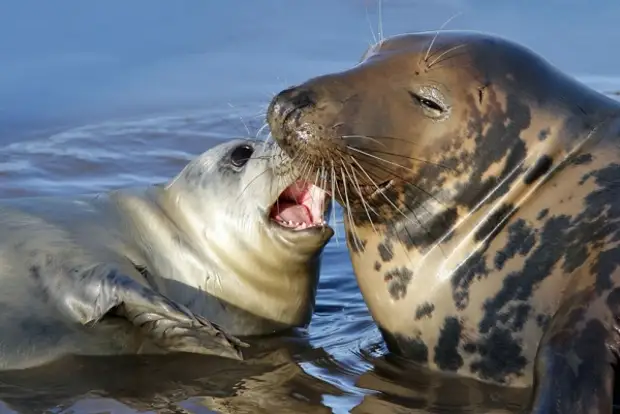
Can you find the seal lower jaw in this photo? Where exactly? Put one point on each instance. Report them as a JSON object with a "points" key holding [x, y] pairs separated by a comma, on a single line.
{"points": [[300, 208]]}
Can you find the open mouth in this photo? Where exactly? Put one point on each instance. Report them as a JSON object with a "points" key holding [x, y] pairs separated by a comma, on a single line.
{"points": [[301, 206]]}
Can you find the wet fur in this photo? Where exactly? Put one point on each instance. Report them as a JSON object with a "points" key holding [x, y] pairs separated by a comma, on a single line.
{"points": [[493, 252], [75, 272]]}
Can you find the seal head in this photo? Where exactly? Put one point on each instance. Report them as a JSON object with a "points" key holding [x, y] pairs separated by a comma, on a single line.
{"points": [[257, 232]]}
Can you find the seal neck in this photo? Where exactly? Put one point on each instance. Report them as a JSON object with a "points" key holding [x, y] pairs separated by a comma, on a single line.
{"points": [[228, 265]]}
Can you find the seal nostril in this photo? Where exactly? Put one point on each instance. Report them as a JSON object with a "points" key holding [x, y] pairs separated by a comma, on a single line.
{"points": [[290, 100], [302, 99]]}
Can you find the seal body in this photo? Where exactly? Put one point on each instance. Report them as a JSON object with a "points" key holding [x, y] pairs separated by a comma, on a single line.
{"points": [[481, 206], [181, 266]]}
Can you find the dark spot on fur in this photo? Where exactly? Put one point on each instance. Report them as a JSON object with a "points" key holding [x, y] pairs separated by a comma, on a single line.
{"points": [[574, 362], [447, 355], [413, 349], [542, 320], [582, 159], [543, 134], [356, 245], [386, 251], [542, 214], [518, 286], [423, 235], [521, 239], [540, 168], [613, 301], [494, 223], [470, 347], [424, 310], [474, 267], [500, 355], [377, 266], [398, 279], [605, 267], [41, 292]]}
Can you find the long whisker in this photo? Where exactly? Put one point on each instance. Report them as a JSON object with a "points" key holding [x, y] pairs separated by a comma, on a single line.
{"points": [[372, 32], [393, 163], [253, 179], [363, 170], [430, 65], [242, 121], [381, 137], [445, 167], [361, 196], [437, 34], [362, 137], [356, 237], [380, 25], [333, 202], [396, 208]]}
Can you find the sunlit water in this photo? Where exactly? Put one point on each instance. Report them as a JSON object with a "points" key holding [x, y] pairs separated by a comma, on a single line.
{"points": [[112, 95]]}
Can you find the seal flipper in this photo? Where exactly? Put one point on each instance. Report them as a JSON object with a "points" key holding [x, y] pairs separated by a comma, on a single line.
{"points": [[574, 370], [104, 290]]}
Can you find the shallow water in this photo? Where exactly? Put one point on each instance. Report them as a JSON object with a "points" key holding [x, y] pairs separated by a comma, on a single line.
{"points": [[99, 95]]}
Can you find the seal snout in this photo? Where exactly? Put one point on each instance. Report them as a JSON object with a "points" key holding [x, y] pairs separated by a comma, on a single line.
{"points": [[286, 114], [286, 104]]}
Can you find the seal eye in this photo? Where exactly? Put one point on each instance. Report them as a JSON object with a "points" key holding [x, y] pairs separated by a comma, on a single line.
{"points": [[430, 104], [427, 103], [240, 155]]}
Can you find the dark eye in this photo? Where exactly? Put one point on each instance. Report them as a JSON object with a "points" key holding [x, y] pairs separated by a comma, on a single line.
{"points": [[427, 102], [240, 155]]}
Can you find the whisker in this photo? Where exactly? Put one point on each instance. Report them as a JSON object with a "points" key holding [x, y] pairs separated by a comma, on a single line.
{"points": [[333, 198], [402, 178], [350, 216], [418, 222], [445, 53], [393, 163], [380, 25], [372, 32], [437, 34], [361, 195], [242, 121], [410, 158], [381, 137], [362, 137], [253, 179]]}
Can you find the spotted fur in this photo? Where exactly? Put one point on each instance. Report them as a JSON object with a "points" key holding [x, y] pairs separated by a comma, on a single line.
{"points": [[502, 201]]}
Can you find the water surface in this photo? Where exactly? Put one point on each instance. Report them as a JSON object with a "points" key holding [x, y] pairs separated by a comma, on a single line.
{"points": [[101, 95]]}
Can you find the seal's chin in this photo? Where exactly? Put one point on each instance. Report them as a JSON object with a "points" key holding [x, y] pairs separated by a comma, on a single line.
{"points": [[301, 206]]}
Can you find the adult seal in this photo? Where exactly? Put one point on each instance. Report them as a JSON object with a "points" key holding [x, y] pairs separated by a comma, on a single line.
{"points": [[482, 208], [231, 246]]}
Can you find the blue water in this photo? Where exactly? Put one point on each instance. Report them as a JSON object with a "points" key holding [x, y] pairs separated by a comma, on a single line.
{"points": [[99, 95]]}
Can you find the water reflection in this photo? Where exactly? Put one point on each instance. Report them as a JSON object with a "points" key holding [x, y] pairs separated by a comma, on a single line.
{"points": [[269, 381]]}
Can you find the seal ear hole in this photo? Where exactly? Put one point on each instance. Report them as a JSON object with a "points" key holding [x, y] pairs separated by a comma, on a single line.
{"points": [[481, 94], [240, 155]]}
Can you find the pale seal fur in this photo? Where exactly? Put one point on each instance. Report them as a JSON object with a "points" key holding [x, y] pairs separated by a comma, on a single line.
{"points": [[233, 239], [480, 185]]}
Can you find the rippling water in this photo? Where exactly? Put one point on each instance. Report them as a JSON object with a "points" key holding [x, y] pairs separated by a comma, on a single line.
{"points": [[113, 94]]}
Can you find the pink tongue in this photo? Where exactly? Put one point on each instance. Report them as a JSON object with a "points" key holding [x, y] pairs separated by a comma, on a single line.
{"points": [[295, 213]]}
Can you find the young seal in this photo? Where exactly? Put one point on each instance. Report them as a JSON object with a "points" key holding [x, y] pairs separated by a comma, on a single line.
{"points": [[235, 238], [482, 207]]}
